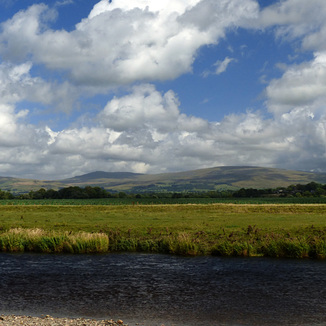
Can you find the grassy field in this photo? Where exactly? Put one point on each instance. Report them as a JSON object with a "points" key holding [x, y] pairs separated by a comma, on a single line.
{"points": [[285, 230]]}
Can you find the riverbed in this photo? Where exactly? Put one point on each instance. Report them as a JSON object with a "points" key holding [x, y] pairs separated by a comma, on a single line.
{"points": [[153, 290]]}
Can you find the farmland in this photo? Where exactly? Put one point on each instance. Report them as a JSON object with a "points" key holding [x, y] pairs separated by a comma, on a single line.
{"points": [[277, 230]]}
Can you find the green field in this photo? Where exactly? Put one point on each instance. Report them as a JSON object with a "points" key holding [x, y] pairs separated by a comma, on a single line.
{"points": [[276, 230]]}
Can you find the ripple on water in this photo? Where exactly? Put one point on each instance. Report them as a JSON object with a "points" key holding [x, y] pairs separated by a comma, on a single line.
{"points": [[157, 289]]}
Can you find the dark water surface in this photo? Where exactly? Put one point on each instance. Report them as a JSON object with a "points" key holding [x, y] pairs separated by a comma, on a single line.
{"points": [[169, 290]]}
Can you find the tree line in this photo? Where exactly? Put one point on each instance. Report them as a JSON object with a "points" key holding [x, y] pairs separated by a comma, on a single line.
{"points": [[311, 189]]}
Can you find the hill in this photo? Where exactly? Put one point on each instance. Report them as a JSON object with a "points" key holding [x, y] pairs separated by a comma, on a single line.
{"points": [[217, 178], [100, 175]]}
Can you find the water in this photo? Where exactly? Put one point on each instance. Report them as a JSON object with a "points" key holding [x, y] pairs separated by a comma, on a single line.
{"points": [[158, 289]]}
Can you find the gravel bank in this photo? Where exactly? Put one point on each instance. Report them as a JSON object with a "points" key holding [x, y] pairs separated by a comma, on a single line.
{"points": [[12, 320]]}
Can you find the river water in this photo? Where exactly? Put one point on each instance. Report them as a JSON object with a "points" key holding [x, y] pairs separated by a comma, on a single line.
{"points": [[160, 289]]}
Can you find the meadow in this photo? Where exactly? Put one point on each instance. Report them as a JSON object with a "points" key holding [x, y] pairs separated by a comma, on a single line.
{"points": [[273, 230]]}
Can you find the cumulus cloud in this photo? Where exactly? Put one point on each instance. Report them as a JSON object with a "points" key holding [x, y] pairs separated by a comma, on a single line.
{"points": [[141, 129], [297, 19], [122, 41], [17, 84], [134, 43], [185, 142], [300, 85], [23, 148], [152, 145], [145, 107]]}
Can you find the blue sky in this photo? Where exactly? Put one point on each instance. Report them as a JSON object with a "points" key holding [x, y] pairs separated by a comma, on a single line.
{"points": [[152, 87]]}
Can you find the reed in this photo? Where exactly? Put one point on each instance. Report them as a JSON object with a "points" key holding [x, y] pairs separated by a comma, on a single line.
{"points": [[228, 249], [37, 240], [308, 243], [179, 244]]}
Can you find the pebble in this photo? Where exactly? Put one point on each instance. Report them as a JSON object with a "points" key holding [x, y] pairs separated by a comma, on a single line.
{"points": [[12, 320]]}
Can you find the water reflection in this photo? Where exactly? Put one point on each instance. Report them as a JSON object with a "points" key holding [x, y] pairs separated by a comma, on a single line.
{"points": [[158, 289]]}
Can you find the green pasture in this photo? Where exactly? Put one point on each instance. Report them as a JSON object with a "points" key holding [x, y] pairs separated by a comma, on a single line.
{"points": [[177, 218], [222, 229]]}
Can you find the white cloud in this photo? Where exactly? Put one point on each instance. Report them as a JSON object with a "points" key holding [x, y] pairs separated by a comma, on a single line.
{"points": [[185, 142], [301, 85], [221, 67], [144, 107], [64, 3], [17, 84], [22, 146], [123, 41], [167, 6], [294, 19], [161, 139]]}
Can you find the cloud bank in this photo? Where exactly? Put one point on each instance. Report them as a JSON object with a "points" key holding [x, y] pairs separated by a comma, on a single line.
{"points": [[130, 45]]}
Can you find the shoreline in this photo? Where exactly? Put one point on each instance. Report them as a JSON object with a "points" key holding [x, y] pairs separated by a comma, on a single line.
{"points": [[47, 320], [250, 241]]}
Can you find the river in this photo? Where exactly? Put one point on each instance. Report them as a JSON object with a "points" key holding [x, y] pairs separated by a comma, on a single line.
{"points": [[161, 289]]}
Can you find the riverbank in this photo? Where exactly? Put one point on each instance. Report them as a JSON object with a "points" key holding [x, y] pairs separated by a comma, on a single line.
{"points": [[287, 231], [250, 242], [13, 320]]}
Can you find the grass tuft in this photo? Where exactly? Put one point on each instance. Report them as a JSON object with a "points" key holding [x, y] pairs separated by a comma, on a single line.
{"points": [[37, 240]]}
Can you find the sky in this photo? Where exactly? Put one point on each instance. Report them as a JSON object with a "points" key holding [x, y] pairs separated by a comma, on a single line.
{"points": [[161, 86]]}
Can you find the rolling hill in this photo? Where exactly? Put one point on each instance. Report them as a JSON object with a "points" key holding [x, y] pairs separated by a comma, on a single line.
{"points": [[217, 178]]}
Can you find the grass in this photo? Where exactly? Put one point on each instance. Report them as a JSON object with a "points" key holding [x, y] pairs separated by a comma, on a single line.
{"points": [[38, 240], [271, 230]]}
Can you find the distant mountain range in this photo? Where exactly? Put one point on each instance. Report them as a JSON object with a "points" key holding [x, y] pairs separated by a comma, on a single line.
{"points": [[217, 178]]}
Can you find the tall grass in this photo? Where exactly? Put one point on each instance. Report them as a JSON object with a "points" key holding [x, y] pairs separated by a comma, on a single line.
{"points": [[37, 240], [303, 243], [249, 242]]}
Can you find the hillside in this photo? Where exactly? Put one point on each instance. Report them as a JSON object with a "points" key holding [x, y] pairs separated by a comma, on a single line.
{"points": [[217, 178]]}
